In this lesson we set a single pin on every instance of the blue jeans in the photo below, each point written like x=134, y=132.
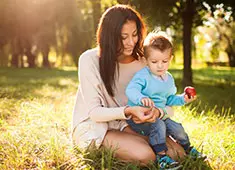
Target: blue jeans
x=158, y=131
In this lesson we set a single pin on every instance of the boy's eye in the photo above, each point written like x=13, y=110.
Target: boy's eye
x=154, y=62
x=165, y=61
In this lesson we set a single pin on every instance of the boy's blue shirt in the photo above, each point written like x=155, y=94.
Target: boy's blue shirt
x=145, y=84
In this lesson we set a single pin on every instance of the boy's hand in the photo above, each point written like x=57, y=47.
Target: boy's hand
x=190, y=91
x=188, y=100
x=147, y=102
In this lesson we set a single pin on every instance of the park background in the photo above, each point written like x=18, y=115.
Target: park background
x=40, y=44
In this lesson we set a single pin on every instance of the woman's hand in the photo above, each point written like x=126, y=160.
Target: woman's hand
x=142, y=114
x=156, y=114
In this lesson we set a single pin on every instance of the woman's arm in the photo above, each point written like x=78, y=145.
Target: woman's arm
x=90, y=81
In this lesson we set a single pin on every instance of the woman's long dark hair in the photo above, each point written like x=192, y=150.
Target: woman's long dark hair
x=109, y=41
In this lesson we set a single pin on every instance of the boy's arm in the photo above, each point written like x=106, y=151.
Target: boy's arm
x=134, y=89
x=175, y=100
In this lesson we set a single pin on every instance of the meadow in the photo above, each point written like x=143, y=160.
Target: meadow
x=36, y=111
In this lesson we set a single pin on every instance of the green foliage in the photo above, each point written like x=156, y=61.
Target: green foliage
x=35, y=117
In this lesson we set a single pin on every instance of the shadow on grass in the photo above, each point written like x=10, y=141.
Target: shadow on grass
x=215, y=88
x=22, y=83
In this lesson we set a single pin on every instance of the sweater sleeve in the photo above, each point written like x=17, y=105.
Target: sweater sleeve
x=89, y=80
x=135, y=87
x=173, y=99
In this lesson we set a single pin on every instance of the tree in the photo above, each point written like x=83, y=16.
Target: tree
x=221, y=19
x=174, y=13
x=81, y=30
x=28, y=25
x=96, y=8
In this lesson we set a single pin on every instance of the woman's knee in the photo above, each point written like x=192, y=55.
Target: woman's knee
x=175, y=151
x=144, y=155
x=131, y=147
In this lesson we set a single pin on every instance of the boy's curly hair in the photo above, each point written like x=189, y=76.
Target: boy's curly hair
x=157, y=40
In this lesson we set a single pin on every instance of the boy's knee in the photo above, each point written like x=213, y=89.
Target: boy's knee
x=159, y=124
x=179, y=129
x=182, y=135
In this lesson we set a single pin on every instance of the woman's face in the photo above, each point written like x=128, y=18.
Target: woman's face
x=129, y=37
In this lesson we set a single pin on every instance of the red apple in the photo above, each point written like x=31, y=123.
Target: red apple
x=190, y=91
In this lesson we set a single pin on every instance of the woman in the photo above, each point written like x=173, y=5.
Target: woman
x=100, y=109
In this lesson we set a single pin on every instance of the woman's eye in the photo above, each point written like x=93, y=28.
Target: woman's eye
x=134, y=35
x=123, y=38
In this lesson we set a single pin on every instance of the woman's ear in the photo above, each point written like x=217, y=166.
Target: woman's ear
x=144, y=60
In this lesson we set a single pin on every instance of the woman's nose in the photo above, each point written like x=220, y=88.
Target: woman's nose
x=131, y=41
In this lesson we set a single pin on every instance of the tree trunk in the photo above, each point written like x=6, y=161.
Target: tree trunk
x=230, y=50
x=15, y=60
x=45, y=62
x=31, y=59
x=231, y=56
x=96, y=6
x=16, y=52
x=21, y=65
x=187, y=17
x=4, y=56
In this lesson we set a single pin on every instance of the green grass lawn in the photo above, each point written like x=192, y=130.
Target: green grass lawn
x=36, y=110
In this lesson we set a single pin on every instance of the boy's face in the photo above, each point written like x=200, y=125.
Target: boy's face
x=158, y=61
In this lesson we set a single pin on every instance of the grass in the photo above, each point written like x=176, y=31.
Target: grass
x=35, y=120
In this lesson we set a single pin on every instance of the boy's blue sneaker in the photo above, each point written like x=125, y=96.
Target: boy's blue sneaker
x=166, y=163
x=196, y=154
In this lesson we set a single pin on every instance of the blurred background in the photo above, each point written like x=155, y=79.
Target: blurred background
x=40, y=44
x=52, y=33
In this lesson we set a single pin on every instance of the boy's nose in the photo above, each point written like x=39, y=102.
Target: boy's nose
x=159, y=65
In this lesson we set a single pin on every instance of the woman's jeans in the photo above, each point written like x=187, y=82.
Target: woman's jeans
x=158, y=131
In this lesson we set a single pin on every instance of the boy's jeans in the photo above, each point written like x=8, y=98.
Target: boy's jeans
x=158, y=130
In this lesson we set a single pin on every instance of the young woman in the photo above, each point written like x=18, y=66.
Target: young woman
x=100, y=110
